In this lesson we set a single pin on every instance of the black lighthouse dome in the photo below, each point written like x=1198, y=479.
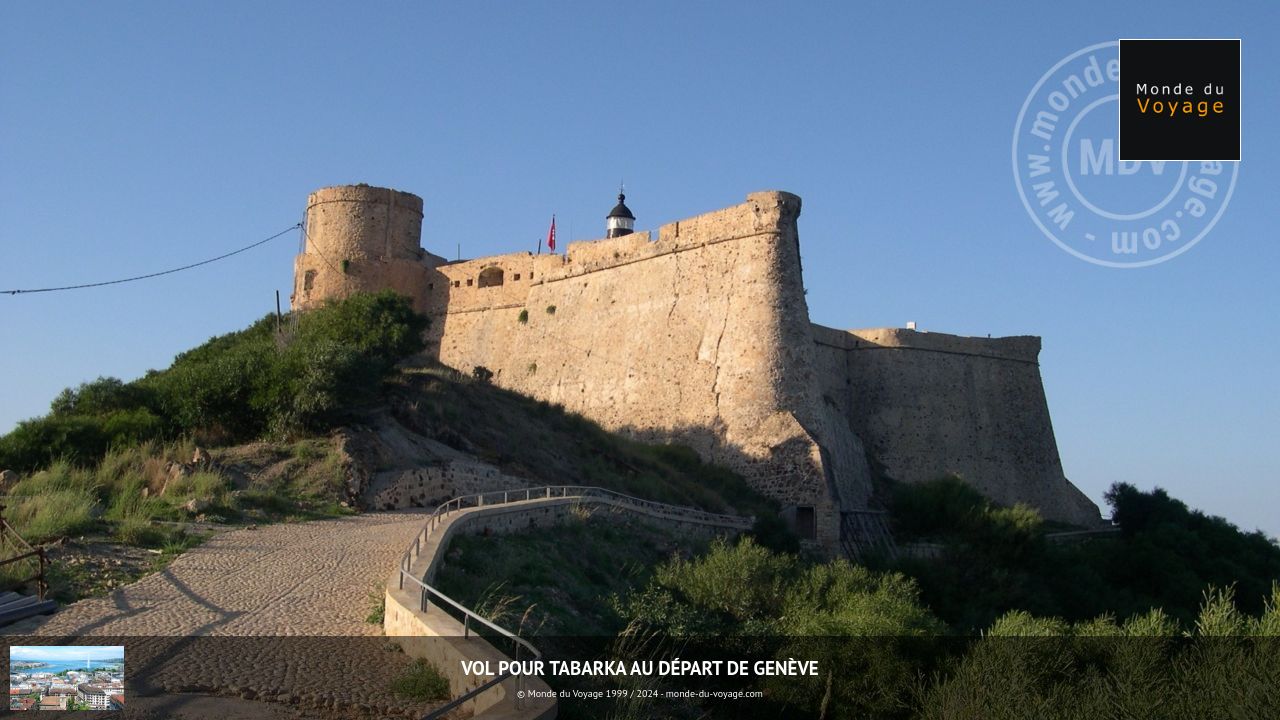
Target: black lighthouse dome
x=620, y=221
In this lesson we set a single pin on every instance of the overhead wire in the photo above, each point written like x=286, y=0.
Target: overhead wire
x=148, y=276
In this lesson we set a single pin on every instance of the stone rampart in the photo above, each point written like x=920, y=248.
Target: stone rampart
x=931, y=404
x=698, y=336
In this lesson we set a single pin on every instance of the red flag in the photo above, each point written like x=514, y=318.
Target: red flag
x=551, y=234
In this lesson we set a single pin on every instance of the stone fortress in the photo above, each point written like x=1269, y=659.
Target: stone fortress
x=699, y=333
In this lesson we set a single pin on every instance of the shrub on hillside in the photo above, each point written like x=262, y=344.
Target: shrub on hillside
x=745, y=599
x=245, y=384
x=100, y=397
x=1043, y=667
x=79, y=438
x=235, y=387
x=998, y=559
x=937, y=508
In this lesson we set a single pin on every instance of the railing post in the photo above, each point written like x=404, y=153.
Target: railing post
x=519, y=682
x=504, y=497
x=42, y=586
x=466, y=625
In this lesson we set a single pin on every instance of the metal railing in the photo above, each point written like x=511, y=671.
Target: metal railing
x=501, y=497
x=425, y=592
x=7, y=534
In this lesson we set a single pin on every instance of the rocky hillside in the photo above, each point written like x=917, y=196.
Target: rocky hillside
x=441, y=434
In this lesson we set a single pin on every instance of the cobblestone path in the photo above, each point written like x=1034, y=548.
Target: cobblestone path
x=275, y=614
x=310, y=578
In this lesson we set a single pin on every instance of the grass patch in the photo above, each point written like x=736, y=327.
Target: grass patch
x=421, y=681
x=60, y=501
x=139, y=531
x=377, y=606
x=200, y=485
x=175, y=542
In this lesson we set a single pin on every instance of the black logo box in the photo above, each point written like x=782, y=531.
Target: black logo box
x=1187, y=67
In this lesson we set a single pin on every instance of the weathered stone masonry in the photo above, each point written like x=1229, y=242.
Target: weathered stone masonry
x=700, y=334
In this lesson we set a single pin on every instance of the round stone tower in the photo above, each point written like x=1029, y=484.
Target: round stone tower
x=360, y=238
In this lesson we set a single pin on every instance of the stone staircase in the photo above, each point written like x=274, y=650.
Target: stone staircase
x=15, y=607
x=866, y=532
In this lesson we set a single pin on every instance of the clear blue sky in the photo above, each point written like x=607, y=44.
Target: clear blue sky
x=139, y=136
x=66, y=653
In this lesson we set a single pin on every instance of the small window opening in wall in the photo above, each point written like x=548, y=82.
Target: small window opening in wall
x=308, y=280
x=515, y=277
x=470, y=282
x=457, y=283
x=806, y=522
x=431, y=286
x=491, y=277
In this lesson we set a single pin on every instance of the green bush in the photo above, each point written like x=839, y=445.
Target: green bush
x=755, y=601
x=998, y=559
x=100, y=397
x=1027, y=666
x=743, y=581
x=77, y=438
x=235, y=387
x=246, y=384
x=941, y=507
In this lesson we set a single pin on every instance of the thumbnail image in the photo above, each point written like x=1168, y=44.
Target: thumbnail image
x=66, y=677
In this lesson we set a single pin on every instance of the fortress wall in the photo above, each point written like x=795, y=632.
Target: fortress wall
x=457, y=286
x=699, y=334
x=930, y=404
x=699, y=337
x=831, y=363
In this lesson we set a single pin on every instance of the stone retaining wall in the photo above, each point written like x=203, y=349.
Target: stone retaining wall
x=431, y=485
